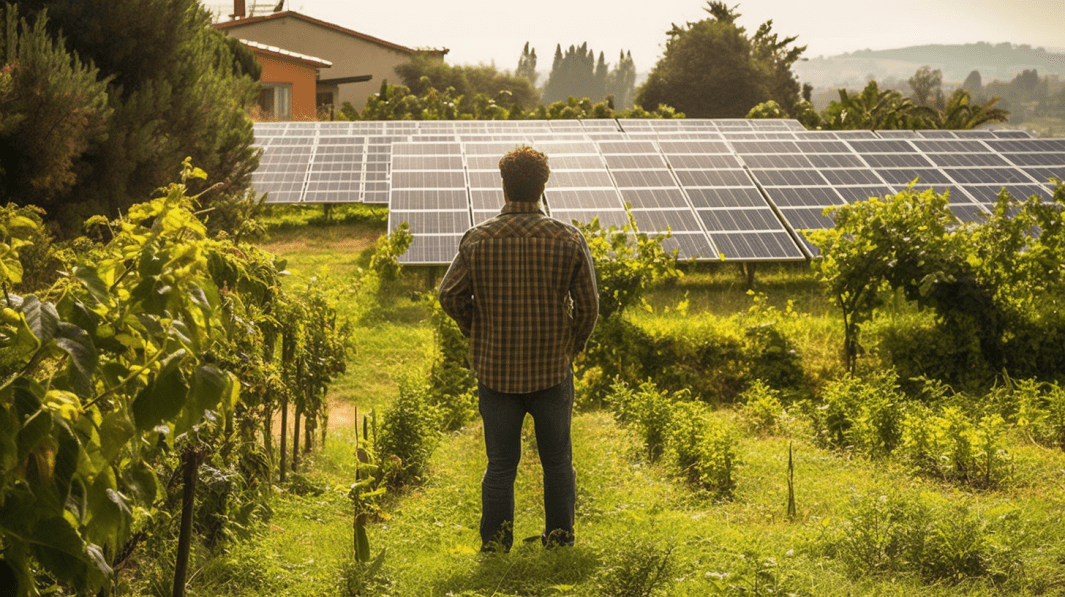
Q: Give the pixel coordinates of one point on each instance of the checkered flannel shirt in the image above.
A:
(522, 288)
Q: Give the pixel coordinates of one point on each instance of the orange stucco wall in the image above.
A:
(303, 79)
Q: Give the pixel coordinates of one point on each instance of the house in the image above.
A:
(359, 61)
(289, 82)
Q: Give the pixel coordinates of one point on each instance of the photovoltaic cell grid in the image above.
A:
(580, 187)
(657, 202)
(800, 173)
(428, 192)
(740, 223)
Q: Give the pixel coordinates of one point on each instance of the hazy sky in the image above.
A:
(483, 31)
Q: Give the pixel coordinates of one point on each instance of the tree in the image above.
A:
(712, 69)
(961, 113)
(973, 84)
(621, 81)
(927, 87)
(422, 74)
(527, 64)
(54, 108)
(175, 89)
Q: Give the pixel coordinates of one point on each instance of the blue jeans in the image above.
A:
(503, 415)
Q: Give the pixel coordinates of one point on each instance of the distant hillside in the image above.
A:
(994, 61)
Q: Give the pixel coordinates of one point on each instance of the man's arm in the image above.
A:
(456, 294)
(585, 295)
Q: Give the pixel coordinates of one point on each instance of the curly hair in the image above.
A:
(525, 172)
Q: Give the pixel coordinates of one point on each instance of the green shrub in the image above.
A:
(946, 444)
(452, 384)
(636, 568)
(940, 542)
(649, 409)
(1037, 409)
(408, 432)
(861, 413)
(762, 408)
(916, 347)
(704, 448)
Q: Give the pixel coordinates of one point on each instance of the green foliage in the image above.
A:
(397, 102)
(939, 542)
(863, 414)
(408, 433)
(135, 357)
(527, 64)
(703, 448)
(172, 90)
(452, 384)
(648, 409)
(762, 409)
(948, 445)
(53, 109)
(888, 109)
(637, 568)
(422, 74)
(994, 287)
(577, 73)
(713, 69)
(627, 263)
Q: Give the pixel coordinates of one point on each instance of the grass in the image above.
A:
(640, 529)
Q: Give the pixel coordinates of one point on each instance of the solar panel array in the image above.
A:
(733, 189)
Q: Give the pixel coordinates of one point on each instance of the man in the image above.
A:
(522, 288)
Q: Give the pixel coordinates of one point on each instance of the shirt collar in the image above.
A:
(521, 207)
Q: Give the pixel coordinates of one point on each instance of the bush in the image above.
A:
(408, 433)
(452, 384)
(890, 534)
(649, 409)
(762, 409)
(864, 414)
(704, 448)
(638, 568)
(948, 445)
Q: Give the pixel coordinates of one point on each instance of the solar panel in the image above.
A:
(431, 178)
(737, 187)
(336, 170)
(722, 195)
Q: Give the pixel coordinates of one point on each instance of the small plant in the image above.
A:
(408, 433)
(948, 445)
(704, 448)
(762, 408)
(940, 542)
(649, 409)
(639, 569)
(864, 414)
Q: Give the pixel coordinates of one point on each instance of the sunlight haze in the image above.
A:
(480, 31)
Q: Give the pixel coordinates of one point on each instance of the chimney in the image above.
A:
(239, 11)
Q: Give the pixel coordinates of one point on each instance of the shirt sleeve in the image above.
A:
(585, 294)
(456, 294)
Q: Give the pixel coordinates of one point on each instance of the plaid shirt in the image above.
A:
(522, 288)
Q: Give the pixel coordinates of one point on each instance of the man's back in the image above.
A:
(523, 289)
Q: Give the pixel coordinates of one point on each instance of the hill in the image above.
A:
(994, 61)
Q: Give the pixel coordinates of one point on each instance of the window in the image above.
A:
(275, 99)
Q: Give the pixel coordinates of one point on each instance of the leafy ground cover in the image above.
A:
(862, 525)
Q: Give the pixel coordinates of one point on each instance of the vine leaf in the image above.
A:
(90, 278)
(162, 399)
(63, 552)
(208, 386)
(42, 318)
(77, 343)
